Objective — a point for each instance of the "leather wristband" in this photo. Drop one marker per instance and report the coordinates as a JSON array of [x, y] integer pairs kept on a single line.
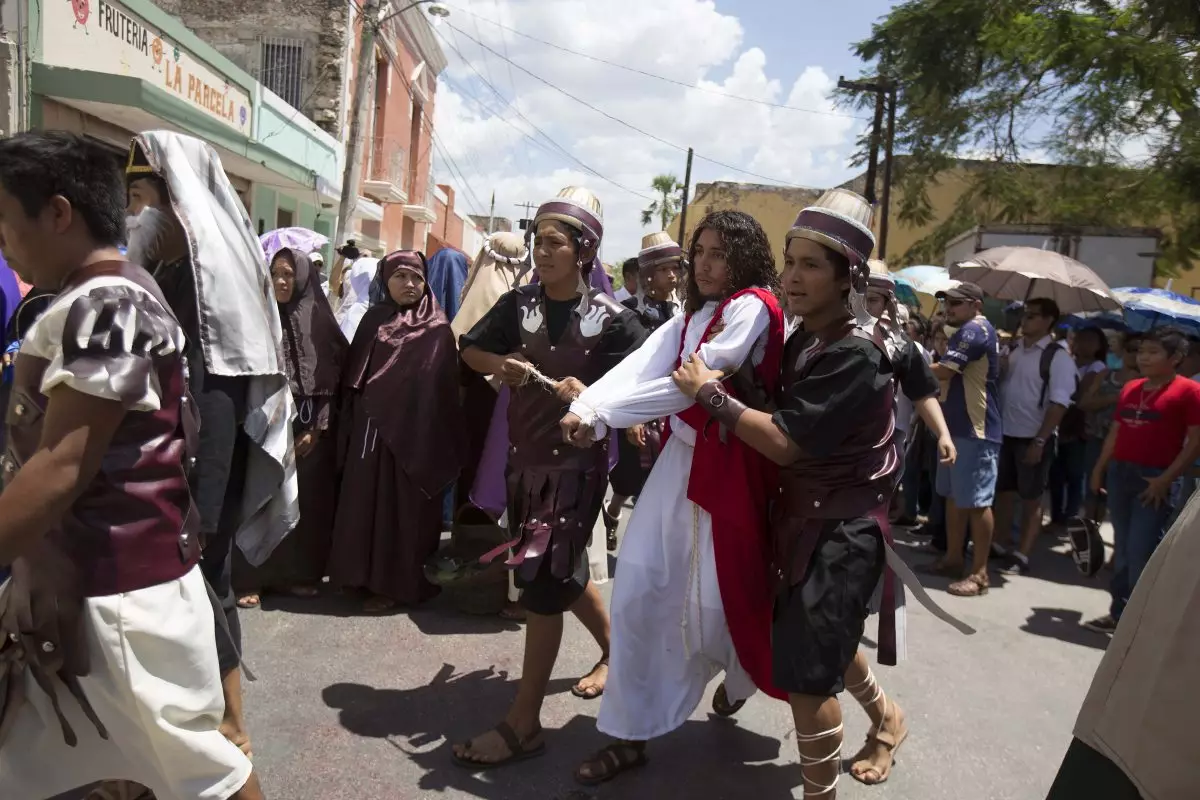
[[720, 404]]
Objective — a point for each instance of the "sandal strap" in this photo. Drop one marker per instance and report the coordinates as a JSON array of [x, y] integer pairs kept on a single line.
[[868, 688], [815, 761], [515, 746]]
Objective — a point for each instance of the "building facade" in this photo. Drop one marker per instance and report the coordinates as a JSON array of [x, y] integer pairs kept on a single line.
[[305, 51], [109, 69]]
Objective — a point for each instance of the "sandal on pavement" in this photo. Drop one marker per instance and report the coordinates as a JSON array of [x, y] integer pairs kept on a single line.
[[249, 601], [378, 605], [591, 692], [721, 705], [512, 612], [610, 762], [890, 741], [970, 586], [517, 750]]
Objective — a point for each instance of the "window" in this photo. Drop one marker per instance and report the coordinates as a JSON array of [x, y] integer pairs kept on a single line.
[[281, 68], [284, 218]]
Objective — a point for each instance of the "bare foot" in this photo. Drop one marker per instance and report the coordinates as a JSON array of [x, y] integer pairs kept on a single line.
[[251, 600], [501, 745], [591, 686], [873, 763]]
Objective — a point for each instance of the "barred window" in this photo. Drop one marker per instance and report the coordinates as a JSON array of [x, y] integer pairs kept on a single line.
[[281, 68]]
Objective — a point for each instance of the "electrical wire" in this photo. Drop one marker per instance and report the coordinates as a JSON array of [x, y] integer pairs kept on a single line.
[[622, 122], [644, 73], [564, 151]]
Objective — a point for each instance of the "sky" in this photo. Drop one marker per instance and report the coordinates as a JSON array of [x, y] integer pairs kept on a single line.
[[501, 127]]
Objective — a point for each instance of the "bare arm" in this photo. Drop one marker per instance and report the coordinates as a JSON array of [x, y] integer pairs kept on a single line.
[[482, 361], [1090, 398], [77, 431]]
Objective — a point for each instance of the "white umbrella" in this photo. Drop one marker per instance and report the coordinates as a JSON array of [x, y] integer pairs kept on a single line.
[[1023, 273]]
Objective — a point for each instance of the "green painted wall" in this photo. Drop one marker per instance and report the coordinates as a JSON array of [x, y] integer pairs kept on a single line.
[[263, 213]]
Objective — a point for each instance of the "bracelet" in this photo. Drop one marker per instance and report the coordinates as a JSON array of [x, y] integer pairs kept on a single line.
[[720, 405]]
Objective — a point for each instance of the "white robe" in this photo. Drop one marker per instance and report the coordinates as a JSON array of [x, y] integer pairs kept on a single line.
[[669, 636]]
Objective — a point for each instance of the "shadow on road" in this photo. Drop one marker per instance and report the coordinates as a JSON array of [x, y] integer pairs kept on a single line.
[[715, 759], [1062, 624], [436, 617]]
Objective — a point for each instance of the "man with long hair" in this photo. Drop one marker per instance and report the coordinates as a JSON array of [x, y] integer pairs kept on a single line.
[[833, 436], [693, 598]]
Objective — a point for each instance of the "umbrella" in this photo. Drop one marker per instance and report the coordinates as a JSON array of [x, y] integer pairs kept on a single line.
[[1105, 320], [922, 274], [301, 239], [1022, 273], [906, 292], [1151, 308]]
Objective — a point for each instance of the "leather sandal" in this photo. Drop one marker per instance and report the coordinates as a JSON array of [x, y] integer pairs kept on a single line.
[[518, 750], [610, 529], [891, 741], [613, 760], [970, 586], [591, 692]]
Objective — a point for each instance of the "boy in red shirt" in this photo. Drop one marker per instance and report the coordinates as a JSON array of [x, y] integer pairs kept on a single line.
[[1154, 438]]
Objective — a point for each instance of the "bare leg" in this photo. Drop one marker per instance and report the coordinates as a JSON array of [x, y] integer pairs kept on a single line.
[[982, 528], [543, 635], [589, 610], [956, 531], [1003, 509], [616, 504], [233, 725], [873, 763], [1031, 524], [818, 723], [251, 790]]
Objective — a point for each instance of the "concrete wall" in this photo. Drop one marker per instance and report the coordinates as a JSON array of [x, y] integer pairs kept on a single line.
[[233, 27], [9, 93]]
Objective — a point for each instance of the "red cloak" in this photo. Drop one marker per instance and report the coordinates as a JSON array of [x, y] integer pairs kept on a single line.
[[735, 483]]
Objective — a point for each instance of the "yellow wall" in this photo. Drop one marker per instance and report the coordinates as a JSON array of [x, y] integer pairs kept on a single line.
[[774, 207]]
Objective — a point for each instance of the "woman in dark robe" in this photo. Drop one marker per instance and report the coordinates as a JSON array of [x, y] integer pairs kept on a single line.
[[314, 353], [403, 417]]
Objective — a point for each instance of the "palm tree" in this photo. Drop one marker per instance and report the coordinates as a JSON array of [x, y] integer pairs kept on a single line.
[[666, 208]]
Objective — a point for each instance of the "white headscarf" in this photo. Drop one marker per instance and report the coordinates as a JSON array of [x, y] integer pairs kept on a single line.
[[239, 325], [356, 296]]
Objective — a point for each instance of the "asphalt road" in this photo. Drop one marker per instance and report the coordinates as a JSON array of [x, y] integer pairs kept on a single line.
[[349, 707]]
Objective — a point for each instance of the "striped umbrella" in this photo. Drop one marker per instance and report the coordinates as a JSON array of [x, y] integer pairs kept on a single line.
[[1151, 308]]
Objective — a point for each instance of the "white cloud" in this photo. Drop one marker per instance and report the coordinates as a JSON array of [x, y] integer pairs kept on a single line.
[[686, 40]]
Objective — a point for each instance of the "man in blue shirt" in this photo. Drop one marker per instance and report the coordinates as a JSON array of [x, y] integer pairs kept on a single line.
[[970, 371]]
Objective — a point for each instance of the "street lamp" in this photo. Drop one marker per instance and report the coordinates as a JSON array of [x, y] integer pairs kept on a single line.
[[435, 10], [366, 60]]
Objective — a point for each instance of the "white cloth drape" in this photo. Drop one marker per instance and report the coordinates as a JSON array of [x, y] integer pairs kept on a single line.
[[660, 666]]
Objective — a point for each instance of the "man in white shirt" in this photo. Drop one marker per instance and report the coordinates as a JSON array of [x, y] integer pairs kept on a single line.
[[1031, 405], [629, 281]]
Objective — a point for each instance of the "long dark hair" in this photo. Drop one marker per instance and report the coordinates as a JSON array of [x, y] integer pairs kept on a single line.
[[747, 252]]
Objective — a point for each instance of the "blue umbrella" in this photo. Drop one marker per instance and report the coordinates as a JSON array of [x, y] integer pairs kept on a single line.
[[1107, 320], [1152, 308], [923, 274]]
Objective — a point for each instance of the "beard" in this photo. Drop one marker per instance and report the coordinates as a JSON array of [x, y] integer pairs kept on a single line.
[[149, 231]]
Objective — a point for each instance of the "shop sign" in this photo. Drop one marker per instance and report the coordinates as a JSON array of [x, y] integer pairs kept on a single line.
[[102, 36]]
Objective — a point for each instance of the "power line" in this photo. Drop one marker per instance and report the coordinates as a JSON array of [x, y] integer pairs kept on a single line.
[[564, 151], [644, 73], [620, 121], [512, 84]]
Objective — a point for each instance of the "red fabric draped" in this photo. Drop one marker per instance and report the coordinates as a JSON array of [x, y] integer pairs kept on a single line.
[[735, 484]]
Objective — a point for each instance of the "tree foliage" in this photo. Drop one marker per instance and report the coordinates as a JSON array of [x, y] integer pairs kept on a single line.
[[1106, 90], [667, 206]]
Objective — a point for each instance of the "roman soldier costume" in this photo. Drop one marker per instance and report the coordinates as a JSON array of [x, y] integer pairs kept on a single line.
[[110, 603]]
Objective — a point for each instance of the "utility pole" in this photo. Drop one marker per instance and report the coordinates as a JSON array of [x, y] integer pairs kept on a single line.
[[687, 184], [885, 97], [492, 215], [528, 206], [363, 81]]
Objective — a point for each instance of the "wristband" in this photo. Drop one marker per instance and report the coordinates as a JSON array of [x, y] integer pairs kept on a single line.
[[720, 405]]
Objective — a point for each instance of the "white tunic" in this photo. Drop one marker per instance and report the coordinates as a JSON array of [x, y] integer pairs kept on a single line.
[[669, 636]]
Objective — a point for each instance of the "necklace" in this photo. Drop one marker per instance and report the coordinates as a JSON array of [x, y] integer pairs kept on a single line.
[[1144, 398]]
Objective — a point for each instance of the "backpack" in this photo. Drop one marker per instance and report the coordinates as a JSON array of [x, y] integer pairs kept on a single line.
[[1074, 423]]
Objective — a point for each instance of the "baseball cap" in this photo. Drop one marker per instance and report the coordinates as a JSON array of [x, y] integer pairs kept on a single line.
[[964, 291]]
